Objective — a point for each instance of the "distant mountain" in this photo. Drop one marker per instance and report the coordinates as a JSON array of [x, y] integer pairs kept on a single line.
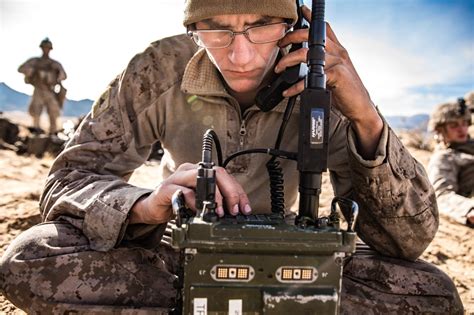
[[415, 122], [12, 100]]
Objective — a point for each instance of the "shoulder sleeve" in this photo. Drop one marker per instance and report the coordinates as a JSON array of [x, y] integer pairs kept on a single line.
[[443, 171], [398, 213], [87, 184], [27, 67]]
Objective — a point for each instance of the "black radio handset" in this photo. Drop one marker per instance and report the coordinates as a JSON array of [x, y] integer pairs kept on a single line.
[[271, 95], [315, 109]]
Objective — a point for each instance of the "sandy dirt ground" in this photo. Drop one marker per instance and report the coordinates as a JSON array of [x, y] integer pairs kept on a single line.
[[22, 178]]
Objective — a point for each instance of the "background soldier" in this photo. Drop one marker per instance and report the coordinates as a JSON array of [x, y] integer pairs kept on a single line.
[[451, 168], [45, 74]]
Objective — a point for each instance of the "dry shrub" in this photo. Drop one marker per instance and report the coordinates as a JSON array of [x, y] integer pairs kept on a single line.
[[416, 139]]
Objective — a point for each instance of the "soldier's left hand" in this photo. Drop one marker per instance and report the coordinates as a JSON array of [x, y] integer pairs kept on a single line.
[[349, 94]]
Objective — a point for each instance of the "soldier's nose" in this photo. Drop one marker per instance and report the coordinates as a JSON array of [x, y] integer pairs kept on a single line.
[[241, 51]]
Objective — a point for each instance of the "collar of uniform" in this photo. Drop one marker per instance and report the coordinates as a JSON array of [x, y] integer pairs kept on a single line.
[[202, 78], [467, 147]]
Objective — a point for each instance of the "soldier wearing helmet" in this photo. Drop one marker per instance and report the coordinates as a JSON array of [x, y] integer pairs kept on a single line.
[[451, 167], [46, 75], [106, 235], [46, 44], [450, 122]]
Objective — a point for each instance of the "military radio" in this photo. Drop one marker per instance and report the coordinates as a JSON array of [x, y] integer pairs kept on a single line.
[[264, 264]]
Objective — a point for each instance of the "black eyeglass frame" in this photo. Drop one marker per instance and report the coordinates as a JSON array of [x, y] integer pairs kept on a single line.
[[192, 33]]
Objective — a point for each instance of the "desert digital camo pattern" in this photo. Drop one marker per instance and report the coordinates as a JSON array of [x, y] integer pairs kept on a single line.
[[43, 73], [451, 170], [173, 94], [374, 284], [53, 270]]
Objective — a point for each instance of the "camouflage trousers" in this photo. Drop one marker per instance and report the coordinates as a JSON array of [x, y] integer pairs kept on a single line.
[[42, 97], [51, 269]]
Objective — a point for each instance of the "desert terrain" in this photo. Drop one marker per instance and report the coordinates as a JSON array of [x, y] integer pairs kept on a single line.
[[22, 178]]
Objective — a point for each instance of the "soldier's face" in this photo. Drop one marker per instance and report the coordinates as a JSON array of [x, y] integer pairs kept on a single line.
[[456, 131], [243, 64], [46, 49]]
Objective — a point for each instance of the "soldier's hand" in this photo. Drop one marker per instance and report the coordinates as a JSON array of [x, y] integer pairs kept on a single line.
[[349, 94], [348, 91], [156, 207]]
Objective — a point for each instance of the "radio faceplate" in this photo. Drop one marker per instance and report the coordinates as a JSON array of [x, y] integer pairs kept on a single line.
[[261, 265]]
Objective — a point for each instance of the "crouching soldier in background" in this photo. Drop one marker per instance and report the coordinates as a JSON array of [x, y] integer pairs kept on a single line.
[[45, 74], [451, 168]]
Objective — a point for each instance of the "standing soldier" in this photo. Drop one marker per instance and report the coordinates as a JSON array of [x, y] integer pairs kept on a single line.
[[451, 168], [45, 74]]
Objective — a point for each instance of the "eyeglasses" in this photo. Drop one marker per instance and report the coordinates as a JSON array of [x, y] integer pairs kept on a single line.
[[261, 34]]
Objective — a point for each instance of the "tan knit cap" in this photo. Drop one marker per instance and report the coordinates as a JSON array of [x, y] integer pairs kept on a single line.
[[198, 10]]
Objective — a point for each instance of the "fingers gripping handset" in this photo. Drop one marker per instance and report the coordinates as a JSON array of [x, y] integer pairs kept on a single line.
[[272, 94]]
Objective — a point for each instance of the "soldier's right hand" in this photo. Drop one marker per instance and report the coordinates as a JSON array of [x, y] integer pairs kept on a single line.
[[156, 207]]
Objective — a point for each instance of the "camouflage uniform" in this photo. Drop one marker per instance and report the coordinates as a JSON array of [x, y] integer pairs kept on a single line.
[[43, 73], [87, 256], [451, 170]]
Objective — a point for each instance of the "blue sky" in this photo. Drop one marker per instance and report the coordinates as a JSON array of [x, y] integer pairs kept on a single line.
[[410, 54]]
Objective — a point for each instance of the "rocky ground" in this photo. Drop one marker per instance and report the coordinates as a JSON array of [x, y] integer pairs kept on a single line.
[[22, 177]]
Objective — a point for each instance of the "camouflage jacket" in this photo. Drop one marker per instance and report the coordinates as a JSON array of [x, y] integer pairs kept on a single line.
[[451, 170], [43, 73], [173, 94]]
